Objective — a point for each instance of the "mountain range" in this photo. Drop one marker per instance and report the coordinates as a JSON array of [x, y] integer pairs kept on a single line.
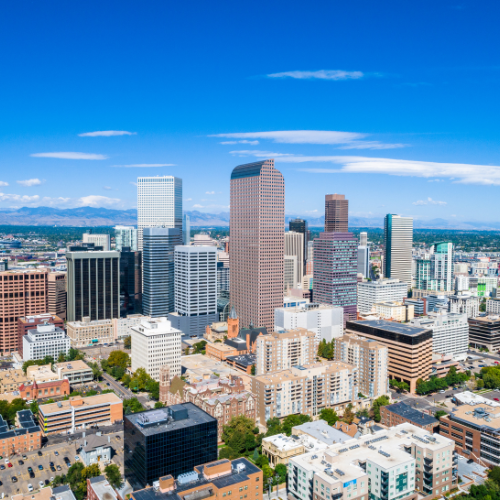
[[92, 217]]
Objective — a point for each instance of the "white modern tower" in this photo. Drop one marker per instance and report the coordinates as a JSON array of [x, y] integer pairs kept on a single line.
[[99, 240], [125, 236], [398, 242], [159, 203], [294, 246]]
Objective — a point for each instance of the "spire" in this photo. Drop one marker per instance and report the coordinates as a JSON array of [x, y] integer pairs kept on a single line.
[[233, 314]]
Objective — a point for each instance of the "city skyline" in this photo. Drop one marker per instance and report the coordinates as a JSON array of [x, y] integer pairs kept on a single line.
[[408, 133]]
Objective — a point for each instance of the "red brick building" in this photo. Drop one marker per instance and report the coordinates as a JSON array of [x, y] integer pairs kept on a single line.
[[26, 436], [50, 389]]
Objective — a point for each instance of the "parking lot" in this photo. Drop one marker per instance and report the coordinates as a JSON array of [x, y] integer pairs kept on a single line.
[[97, 352], [48, 455]]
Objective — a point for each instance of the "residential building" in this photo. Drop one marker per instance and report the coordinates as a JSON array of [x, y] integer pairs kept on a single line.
[[436, 272], [325, 320], [384, 290], [155, 343], [122, 327], [77, 372], [77, 413], [294, 246], [410, 348], [26, 323], [396, 311], [94, 449], [171, 440], [126, 236], [257, 242], [464, 304], [195, 289], [159, 204], [332, 385], [45, 340], [26, 436], [158, 270], [186, 230], [493, 306], [335, 271], [336, 213], [130, 282], [289, 272], [93, 284], [364, 261], [437, 303], [461, 283], [24, 293], [371, 359], [399, 413], [87, 332], [282, 350], [300, 226], [99, 240], [98, 488], [222, 398], [383, 465], [57, 294], [487, 286], [216, 479], [485, 332], [450, 333], [398, 242]]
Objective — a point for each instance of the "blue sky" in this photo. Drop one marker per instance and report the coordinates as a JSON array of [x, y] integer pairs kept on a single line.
[[394, 104]]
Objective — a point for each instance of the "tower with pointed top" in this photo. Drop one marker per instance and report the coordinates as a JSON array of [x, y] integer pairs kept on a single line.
[[233, 324]]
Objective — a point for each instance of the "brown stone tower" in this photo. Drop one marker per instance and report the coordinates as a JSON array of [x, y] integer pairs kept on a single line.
[[164, 382], [233, 324]]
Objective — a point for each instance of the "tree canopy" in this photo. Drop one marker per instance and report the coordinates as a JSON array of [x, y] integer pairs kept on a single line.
[[436, 384], [381, 401], [329, 415], [113, 475]]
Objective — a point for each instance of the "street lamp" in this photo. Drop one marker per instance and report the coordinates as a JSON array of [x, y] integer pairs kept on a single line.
[[270, 482]]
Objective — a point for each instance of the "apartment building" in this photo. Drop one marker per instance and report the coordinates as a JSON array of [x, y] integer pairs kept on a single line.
[[396, 311], [402, 462], [384, 290], [26, 323], [484, 331], [305, 389], [371, 359], [464, 304], [493, 306], [282, 350], [87, 332], [45, 340], [399, 413], [77, 372], [410, 347], [57, 294], [76, 413], [26, 436]]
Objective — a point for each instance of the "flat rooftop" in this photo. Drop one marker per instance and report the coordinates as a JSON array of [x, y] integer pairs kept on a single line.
[[102, 488], [63, 406], [70, 366], [390, 326], [479, 415], [321, 431], [415, 416]]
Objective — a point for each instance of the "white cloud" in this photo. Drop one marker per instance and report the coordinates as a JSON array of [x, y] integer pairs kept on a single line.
[[3, 183], [311, 211], [252, 143], [146, 165], [133, 183], [107, 188], [30, 182], [197, 206], [71, 156], [47, 200], [209, 192], [429, 201], [106, 133], [188, 199], [322, 74], [97, 201], [345, 140], [18, 197], [259, 154]]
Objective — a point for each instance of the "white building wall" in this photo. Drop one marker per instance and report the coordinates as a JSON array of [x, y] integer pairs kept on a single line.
[[99, 240], [388, 290], [125, 236], [294, 245]]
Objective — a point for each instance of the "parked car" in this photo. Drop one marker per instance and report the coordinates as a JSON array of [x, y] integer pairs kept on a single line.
[[47, 482], [470, 461], [2, 467], [496, 399], [52, 468], [41, 484], [77, 457], [58, 467], [24, 457], [14, 479], [9, 465], [20, 462], [40, 467], [30, 469], [30, 487], [442, 391], [482, 366], [56, 453], [40, 454], [7, 460]]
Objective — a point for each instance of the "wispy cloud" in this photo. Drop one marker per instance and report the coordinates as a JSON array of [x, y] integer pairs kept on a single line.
[[107, 188], [259, 154], [106, 133], [197, 206], [97, 201], [252, 143], [344, 140], [430, 201], [3, 183], [18, 197], [145, 165], [188, 199], [322, 74], [31, 182], [71, 156], [209, 192], [133, 183]]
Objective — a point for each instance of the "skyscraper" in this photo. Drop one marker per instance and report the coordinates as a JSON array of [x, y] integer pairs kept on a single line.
[[125, 236], [336, 213], [294, 246], [158, 270], [398, 241], [130, 282], [257, 220], [300, 226], [436, 273], [159, 203], [186, 230], [363, 239], [364, 261]]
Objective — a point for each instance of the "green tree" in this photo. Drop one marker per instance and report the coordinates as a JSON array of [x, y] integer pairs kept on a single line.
[[440, 413], [255, 455], [381, 401], [126, 380], [280, 472], [293, 420], [273, 427], [113, 475], [131, 405], [253, 370], [96, 371], [329, 415], [61, 358], [348, 415], [158, 404], [237, 441], [241, 424], [482, 306], [119, 358], [127, 342], [479, 383], [199, 347], [74, 354], [92, 470]]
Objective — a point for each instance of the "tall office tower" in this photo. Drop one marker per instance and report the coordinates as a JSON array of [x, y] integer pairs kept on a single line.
[[336, 213], [125, 236], [159, 204], [364, 261], [300, 226], [186, 230], [56, 289], [93, 284], [130, 282], [222, 278], [257, 242], [294, 245], [99, 240], [158, 270], [363, 239], [23, 293], [290, 272], [398, 241], [436, 273], [195, 289], [335, 271]]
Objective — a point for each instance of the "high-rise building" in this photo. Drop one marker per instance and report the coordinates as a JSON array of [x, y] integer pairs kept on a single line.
[[363, 239], [436, 273], [485, 332], [195, 289], [335, 271], [126, 236], [93, 284], [300, 226], [336, 213], [167, 441], [99, 240], [27, 323], [398, 241], [364, 261], [289, 272], [130, 282], [294, 245], [159, 204], [257, 242], [222, 278], [158, 270], [45, 340], [186, 230], [56, 287], [385, 290]]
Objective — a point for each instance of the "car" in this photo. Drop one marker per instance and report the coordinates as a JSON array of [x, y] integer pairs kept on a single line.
[[58, 467], [51, 464], [7, 460], [482, 366], [2, 467], [30, 487], [108, 384], [77, 457], [52, 468], [496, 362], [24, 457], [118, 437], [1, 484], [40, 467], [20, 462], [32, 475], [14, 479], [9, 465], [449, 395], [30, 469], [496, 399], [442, 391], [51, 478], [47, 482], [41, 484], [40, 454], [56, 453], [470, 461], [68, 463], [66, 459]]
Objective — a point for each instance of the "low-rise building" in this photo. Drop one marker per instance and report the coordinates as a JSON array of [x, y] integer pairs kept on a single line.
[[396, 311], [26, 436], [280, 447], [10, 380], [41, 373], [49, 389], [87, 332], [26, 323], [94, 449], [77, 413], [441, 364], [322, 432], [60, 493], [484, 331], [383, 290], [419, 305], [242, 362], [45, 340], [77, 372], [122, 327], [493, 306], [398, 413], [98, 488]]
